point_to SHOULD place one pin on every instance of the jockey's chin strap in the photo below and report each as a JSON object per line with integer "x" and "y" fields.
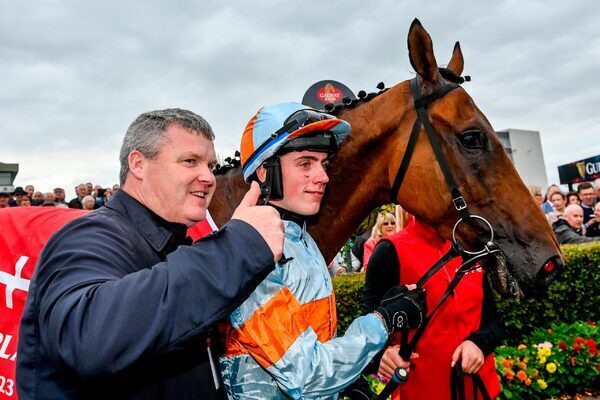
{"x": 470, "y": 258}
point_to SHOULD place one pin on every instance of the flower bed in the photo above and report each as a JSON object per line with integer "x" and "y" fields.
{"x": 560, "y": 360}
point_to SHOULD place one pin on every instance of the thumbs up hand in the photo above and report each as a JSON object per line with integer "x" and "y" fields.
{"x": 264, "y": 219}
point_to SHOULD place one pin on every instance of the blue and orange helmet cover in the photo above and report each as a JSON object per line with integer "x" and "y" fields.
{"x": 268, "y": 120}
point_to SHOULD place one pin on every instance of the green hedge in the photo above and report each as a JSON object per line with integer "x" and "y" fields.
{"x": 574, "y": 296}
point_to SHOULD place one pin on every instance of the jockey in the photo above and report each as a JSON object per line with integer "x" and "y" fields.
{"x": 280, "y": 342}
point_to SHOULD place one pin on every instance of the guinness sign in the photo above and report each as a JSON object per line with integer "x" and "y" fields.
{"x": 580, "y": 171}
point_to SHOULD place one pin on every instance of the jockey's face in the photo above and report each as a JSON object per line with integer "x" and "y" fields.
{"x": 305, "y": 177}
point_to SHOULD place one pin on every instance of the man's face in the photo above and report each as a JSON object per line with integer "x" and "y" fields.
{"x": 304, "y": 181}
{"x": 29, "y": 189}
{"x": 49, "y": 197}
{"x": 59, "y": 194}
{"x": 588, "y": 196}
{"x": 81, "y": 191}
{"x": 575, "y": 218}
{"x": 38, "y": 196}
{"x": 179, "y": 183}
{"x": 88, "y": 202}
{"x": 4, "y": 201}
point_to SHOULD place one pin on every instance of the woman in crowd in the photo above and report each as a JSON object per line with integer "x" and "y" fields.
{"x": 536, "y": 192}
{"x": 464, "y": 330}
{"x": 573, "y": 198}
{"x": 559, "y": 203}
{"x": 384, "y": 226}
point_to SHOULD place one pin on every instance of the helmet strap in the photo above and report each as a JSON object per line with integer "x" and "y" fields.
{"x": 272, "y": 187}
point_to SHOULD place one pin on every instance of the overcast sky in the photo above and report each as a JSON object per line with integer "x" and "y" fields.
{"x": 74, "y": 74}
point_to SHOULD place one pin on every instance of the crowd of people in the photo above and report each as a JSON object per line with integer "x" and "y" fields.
{"x": 88, "y": 197}
{"x": 574, "y": 216}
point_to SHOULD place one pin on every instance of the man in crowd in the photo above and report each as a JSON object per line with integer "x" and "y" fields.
{"x": 30, "y": 189}
{"x": 592, "y": 228}
{"x": 24, "y": 201}
{"x": 588, "y": 200}
{"x": 569, "y": 229}
{"x": 17, "y": 195}
{"x": 49, "y": 199}
{"x": 37, "y": 199}
{"x": 81, "y": 191}
{"x": 4, "y": 199}
{"x": 88, "y": 202}
{"x": 59, "y": 197}
{"x": 120, "y": 305}
{"x": 89, "y": 188}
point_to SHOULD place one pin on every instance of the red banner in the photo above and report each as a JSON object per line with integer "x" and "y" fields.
{"x": 24, "y": 232}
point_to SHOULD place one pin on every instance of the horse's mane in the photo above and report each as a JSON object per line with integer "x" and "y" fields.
{"x": 228, "y": 164}
{"x": 363, "y": 97}
{"x": 347, "y": 103}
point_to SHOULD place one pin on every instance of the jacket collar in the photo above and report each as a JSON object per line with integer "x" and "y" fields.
{"x": 295, "y": 224}
{"x": 157, "y": 231}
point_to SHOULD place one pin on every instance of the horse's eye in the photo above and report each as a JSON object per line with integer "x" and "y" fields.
{"x": 471, "y": 140}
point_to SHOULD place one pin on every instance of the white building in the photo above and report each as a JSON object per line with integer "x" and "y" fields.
{"x": 525, "y": 150}
{"x": 8, "y": 173}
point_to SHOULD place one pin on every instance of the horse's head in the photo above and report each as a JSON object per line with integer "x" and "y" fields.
{"x": 484, "y": 174}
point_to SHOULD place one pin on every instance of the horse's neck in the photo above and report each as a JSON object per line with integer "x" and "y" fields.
{"x": 360, "y": 174}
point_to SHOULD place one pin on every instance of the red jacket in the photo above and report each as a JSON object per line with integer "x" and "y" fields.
{"x": 418, "y": 247}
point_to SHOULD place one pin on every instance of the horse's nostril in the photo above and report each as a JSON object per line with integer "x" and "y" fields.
{"x": 548, "y": 272}
{"x": 549, "y": 266}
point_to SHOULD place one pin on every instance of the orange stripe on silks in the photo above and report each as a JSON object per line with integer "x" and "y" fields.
{"x": 247, "y": 143}
{"x": 322, "y": 317}
{"x": 275, "y": 326}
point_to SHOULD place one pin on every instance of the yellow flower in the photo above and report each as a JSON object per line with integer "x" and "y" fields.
{"x": 551, "y": 367}
{"x": 522, "y": 347}
{"x": 542, "y": 384}
{"x": 542, "y": 360}
{"x": 544, "y": 352}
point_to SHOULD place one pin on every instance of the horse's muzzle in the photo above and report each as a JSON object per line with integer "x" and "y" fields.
{"x": 548, "y": 273}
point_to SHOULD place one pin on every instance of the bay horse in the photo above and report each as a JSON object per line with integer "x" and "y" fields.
{"x": 363, "y": 171}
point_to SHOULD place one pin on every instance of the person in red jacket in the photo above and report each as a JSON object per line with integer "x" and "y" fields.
{"x": 465, "y": 329}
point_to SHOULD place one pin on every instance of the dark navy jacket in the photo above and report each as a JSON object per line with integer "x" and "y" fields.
{"x": 117, "y": 310}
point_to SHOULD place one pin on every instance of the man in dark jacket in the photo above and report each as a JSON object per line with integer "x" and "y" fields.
{"x": 568, "y": 229}
{"x": 120, "y": 305}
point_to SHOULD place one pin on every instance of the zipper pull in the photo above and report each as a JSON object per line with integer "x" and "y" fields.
{"x": 213, "y": 367}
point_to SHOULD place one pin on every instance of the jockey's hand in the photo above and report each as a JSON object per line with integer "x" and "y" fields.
{"x": 402, "y": 308}
{"x": 359, "y": 390}
{"x": 470, "y": 355}
{"x": 391, "y": 361}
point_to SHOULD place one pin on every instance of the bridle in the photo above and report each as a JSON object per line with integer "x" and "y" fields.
{"x": 470, "y": 258}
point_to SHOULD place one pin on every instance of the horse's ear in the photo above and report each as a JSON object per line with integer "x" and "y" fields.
{"x": 457, "y": 62}
{"x": 420, "y": 52}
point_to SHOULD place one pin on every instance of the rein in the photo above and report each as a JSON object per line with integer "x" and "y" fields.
{"x": 470, "y": 258}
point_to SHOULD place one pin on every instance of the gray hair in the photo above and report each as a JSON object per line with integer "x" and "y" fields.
{"x": 147, "y": 132}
